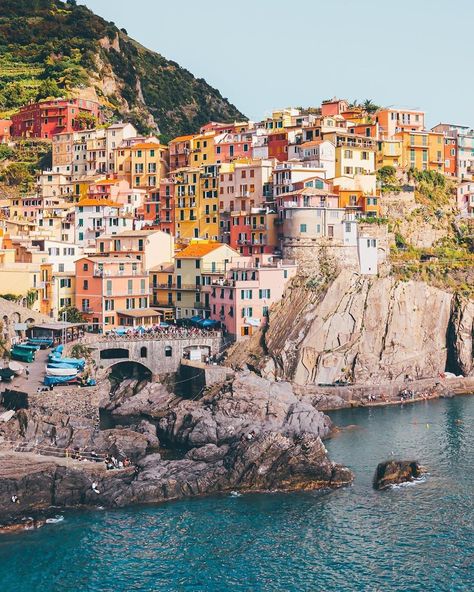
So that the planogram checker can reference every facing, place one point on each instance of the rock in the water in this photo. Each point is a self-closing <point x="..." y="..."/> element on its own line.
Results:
<point x="393" y="472"/>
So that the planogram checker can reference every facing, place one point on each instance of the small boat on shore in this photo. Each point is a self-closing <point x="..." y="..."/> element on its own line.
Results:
<point x="72" y="372"/>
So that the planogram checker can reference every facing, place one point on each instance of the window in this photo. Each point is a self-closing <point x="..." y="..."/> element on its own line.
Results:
<point x="265" y="311"/>
<point x="130" y="287"/>
<point x="198" y="263"/>
<point x="247" y="311"/>
<point x="143" y="352"/>
<point x="85" y="267"/>
<point x="85" y="305"/>
<point x="168" y="351"/>
<point x="303" y="228"/>
<point x="246" y="294"/>
<point x="65" y="283"/>
<point x="86" y="285"/>
<point x="265" y="293"/>
<point x="347" y="153"/>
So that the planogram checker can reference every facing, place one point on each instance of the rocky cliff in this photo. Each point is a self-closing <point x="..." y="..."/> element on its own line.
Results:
<point x="247" y="434"/>
<point x="364" y="329"/>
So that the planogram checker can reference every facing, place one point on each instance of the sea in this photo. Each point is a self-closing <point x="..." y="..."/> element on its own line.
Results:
<point x="412" y="537"/>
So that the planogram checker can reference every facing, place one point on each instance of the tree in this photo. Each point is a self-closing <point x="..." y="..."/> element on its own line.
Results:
<point x="369" y="106"/>
<point x="31" y="297"/>
<point x="6" y="152"/>
<point x="71" y="314"/>
<point x="15" y="94"/>
<point x="11" y="297"/>
<point x="16" y="174"/>
<point x="86" y="121"/>
<point x="48" y="89"/>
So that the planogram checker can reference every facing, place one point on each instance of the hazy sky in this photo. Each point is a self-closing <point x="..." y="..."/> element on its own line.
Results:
<point x="265" y="54"/>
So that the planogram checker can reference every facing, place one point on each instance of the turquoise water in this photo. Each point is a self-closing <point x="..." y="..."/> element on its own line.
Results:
<point x="415" y="537"/>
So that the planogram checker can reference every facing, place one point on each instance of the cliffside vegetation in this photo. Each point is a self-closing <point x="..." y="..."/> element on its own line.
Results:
<point x="49" y="48"/>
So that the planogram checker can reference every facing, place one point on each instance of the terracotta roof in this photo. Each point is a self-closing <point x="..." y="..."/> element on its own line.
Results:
<point x="89" y="201"/>
<point x="147" y="145"/>
<point x="197" y="250"/>
<point x="182" y="138"/>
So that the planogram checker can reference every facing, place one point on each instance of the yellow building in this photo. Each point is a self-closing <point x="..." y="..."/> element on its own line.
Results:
<point x="197" y="203"/>
<point x="57" y="290"/>
<point x="149" y="164"/>
<point x="202" y="149"/>
<point x="354" y="154"/>
<point x="199" y="264"/>
<point x="422" y="150"/>
<point x="389" y="153"/>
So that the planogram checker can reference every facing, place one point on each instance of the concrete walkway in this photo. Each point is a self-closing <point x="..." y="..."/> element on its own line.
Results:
<point x="36" y="374"/>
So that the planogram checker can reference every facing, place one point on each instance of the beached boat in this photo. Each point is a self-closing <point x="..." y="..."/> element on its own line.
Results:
<point x="22" y="354"/>
<point x="72" y="372"/>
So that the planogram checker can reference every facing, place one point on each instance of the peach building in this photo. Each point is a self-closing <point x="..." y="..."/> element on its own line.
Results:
<point x="109" y="288"/>
<point x="393" y="121"/>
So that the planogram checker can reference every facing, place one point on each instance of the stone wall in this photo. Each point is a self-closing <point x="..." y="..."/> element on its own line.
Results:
<point x="154" y="354"/>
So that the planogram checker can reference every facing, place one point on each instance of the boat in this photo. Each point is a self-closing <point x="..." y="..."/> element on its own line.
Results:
<point x="60" y="364"/>
<point x="72" y="372"/>
<point x="56" y="380"/>
<point x="16" y="367"/>
<point x="29" y="346"/>
<point x="22" y="354"/>
<point x="74" y="362"/>
<point x="6" y="374"/>
<point x="42" y="342"/>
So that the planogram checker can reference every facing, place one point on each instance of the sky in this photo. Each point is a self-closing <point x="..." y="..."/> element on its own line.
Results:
<point x="268" y="54"/>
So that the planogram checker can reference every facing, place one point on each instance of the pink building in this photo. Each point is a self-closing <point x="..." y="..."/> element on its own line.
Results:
<point x="253" y="232"/>
<point x="108" y="289"/>
<point x="242" y="301"/>
<point x="229" y="146"/>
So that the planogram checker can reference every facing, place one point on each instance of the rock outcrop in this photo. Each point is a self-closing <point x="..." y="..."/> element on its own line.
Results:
<point x="367" y="330"/>
<point x="394" y="472"/>
<point x="247" y="434"/>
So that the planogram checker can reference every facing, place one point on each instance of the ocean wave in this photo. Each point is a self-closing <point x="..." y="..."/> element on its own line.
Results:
<point x="54" y="520"/>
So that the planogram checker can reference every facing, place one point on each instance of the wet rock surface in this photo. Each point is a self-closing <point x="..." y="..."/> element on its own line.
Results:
<point x="394" y="472"/>
<point x="247" y="434"/>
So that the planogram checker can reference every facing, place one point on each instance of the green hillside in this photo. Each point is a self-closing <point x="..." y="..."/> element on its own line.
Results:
<point x="51" y="48"/>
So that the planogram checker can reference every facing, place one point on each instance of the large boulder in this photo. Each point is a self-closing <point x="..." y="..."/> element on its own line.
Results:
<point x="394" y="472"/>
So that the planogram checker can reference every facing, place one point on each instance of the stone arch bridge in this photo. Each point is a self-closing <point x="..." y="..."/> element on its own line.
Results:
<point x="160" y="355"/>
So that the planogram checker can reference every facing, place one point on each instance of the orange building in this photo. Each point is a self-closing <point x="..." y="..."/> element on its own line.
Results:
<point x="5" y="130"/>
<point x="450" y="156"/>
<point x="359" y="202"/>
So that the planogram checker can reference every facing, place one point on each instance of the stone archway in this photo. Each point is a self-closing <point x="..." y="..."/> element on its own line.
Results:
<point x="130" y="369"/>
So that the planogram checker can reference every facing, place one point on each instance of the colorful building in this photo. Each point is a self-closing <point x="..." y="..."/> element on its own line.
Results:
<point x="47" y="118"/>
<point x="241" y="301"/>
<point x="149" y="164"/>
<point x="393" y="121"/>
<point x="195" y="266"/>
<point x="422" y="150"/>
<point x="253" y="232"/>
<point x="107" y="288"/>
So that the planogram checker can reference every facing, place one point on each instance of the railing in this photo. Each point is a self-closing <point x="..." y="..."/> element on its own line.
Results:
<point x="175" y="333"/>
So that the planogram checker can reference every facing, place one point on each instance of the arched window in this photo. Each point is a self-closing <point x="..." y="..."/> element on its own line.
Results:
<point x="143" y="352"/>
<point x="168" y="351"/>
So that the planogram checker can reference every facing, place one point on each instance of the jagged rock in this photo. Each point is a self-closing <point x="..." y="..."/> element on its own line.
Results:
<point x="208" y="453"/>
<point x="133" y="402"/>
<point x="122" y="442"/>
<point x="249" y="434"/>
<point x="246" y="404"/>
<point x="149" y="431"/>
<point x="367" y="330"/>
<point x="393" y="472"/>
